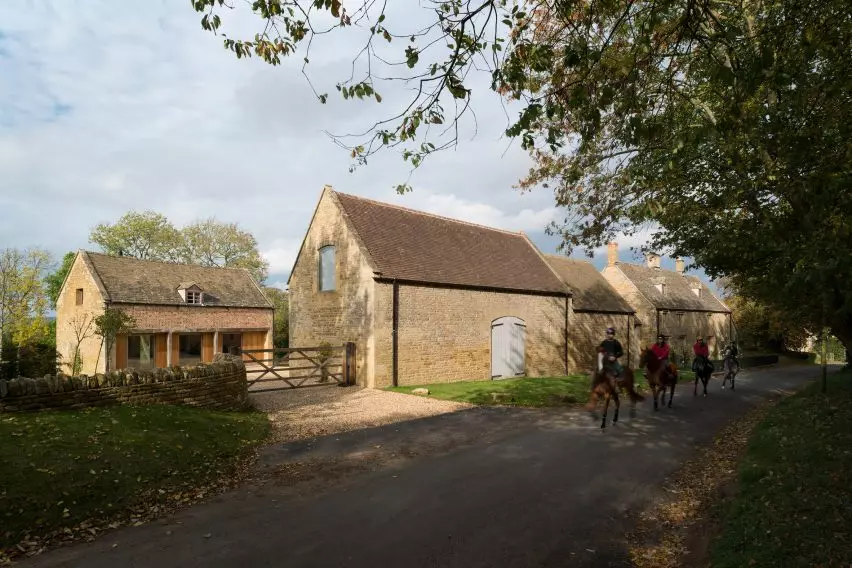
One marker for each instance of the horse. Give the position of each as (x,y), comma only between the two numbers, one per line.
(731,369)
(703,369)
(658,380)
(602,387)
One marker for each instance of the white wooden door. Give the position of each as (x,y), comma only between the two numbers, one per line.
(508,340)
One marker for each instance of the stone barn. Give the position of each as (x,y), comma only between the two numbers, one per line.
(426,298)
(675,304)
(596,306)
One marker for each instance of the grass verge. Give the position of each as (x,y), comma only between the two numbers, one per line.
(68,472)
(792,508)
(535,392)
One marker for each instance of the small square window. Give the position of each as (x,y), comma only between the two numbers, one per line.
(193,297)
(79,296)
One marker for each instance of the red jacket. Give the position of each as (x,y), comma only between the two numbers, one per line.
(661,352)
(701,350)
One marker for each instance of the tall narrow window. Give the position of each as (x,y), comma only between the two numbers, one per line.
(79,296)
(326,269)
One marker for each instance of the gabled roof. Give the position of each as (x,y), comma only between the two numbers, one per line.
(592,293)
(420,247)
(678,289)
(128,280)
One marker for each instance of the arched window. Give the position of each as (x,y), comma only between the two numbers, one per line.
(327,276)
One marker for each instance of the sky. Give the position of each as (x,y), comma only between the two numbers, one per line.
(108,106)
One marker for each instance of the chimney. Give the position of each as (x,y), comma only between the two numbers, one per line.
(612,253)
(679,265)
(653,260)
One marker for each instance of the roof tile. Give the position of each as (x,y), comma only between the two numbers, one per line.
(591,290)
(133,281)
(416,246)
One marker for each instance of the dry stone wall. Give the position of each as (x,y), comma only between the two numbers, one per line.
(219,385)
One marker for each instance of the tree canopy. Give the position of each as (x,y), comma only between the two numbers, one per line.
(723,127)
(23,298)
(55,279)
(151,236)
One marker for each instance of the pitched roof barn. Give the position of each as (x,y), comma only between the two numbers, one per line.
(591,291)
(672,290)
(128,280)
(413,246)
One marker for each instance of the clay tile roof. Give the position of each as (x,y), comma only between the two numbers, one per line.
(678,295)
(128,280)
(410,245)
(592,292)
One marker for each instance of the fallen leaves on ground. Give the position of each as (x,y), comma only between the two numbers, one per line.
(660,540)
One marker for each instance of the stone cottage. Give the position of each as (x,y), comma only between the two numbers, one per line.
(184,313)
(426,298)
(677,305)
(596,306)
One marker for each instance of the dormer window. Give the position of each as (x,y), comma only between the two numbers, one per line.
(661,288)
(697,292)
(191,293)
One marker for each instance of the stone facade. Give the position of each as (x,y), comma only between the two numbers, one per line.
(221,385)
(344,314)
(586,330)
(69,316)
(682,327)
(150,318)
(445,333)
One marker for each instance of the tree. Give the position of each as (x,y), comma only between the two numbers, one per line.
(108,326)
(83,328)
(723,127)
(210,243)
(151,236)
(146,235)
(53,281)
(23,298)
(765,328)
(281,330)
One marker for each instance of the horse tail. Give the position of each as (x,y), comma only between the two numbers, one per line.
(634,396)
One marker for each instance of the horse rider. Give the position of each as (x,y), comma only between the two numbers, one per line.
(731,352)
(702,354)
(662,350)
(612,350)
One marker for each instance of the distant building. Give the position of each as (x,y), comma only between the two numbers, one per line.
(184,313)
(679,306)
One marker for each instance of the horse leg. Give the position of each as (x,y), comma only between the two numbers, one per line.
(705,381)
(671,396)
(617,406)
(606,409)
(656,393)
(695,387)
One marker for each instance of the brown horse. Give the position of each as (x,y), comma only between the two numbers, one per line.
(658,380)
(604,386)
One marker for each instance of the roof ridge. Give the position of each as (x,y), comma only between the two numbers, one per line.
(426,214)
(167,262)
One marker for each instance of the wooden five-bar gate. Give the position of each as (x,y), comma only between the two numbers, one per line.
(286,368)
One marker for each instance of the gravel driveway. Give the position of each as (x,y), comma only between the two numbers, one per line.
(318,411)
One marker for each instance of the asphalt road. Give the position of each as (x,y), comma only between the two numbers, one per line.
(481,487)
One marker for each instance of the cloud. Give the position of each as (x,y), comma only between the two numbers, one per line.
(107,109)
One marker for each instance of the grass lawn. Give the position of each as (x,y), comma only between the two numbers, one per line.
(60,468)
(551,391)
(793,506)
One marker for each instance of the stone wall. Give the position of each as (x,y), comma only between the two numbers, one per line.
(69,315)
(345,313)
(445,333)
(219,385)
(587,330)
